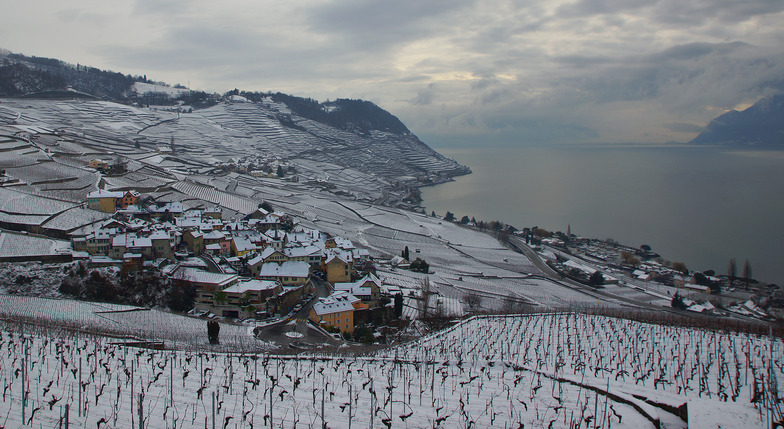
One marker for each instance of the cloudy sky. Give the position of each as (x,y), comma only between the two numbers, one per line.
(455,71)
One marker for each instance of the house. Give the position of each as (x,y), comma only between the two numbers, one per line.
(368,289)
(310,254)
(194,239)
(129,198)
(243,299)
(102,200)
(123,244)
(336,311)
(241,246)
(166,211)
(214,212)
(98,242)
(268,255)
(162,245)
(98,164)
(271,254)
(205,283)
(217,238)
(288,273)
(109,201)
(338,267)
(259,213)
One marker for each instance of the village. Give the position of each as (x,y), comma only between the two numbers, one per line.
(260,267)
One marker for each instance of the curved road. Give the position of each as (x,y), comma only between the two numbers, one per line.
(519,246)
(296,329)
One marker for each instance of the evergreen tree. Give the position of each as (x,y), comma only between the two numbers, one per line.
(398,305)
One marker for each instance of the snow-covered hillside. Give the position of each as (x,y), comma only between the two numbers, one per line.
(378,166)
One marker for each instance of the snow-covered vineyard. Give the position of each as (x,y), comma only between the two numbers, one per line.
(552,370)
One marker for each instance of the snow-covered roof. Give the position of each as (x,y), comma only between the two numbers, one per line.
(195,275)
(160,235)
(102,193)
(286,269)
(359,287)
(252,285)
(299,252)
(214,235)
(333,254)
(172,207)
(131,240)
(243,244)
(335,303)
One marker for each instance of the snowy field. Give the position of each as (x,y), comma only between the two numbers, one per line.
(559,370)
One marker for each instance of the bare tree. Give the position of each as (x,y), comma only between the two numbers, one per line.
(746,272)
(680,267)
(472,300)
(424,300)
(731,270)
(514,305)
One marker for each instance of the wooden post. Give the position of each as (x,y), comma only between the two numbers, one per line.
(371,403)
(141,411)
(24,367)
(80,383)
(323,421)
(66,416)
(350,397)
(213,409)
(133,423)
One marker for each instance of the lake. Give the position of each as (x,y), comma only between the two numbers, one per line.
(701,206)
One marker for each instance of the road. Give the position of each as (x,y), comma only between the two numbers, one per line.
(519,246)
(296,329)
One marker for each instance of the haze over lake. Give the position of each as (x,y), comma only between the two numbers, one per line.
(698,205)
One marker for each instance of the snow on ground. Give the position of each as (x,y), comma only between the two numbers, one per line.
(557,370)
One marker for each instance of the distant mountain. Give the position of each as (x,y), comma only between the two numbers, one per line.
(761,125)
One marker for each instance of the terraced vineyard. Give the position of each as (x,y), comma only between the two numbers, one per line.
(556,370)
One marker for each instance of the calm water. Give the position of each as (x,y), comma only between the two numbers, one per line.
(701,206)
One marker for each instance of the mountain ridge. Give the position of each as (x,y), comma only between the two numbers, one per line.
(760,125)
(39,77)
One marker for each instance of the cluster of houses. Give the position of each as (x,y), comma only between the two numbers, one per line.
(261,265)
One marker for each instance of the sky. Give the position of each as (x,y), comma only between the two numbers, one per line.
(456,72)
